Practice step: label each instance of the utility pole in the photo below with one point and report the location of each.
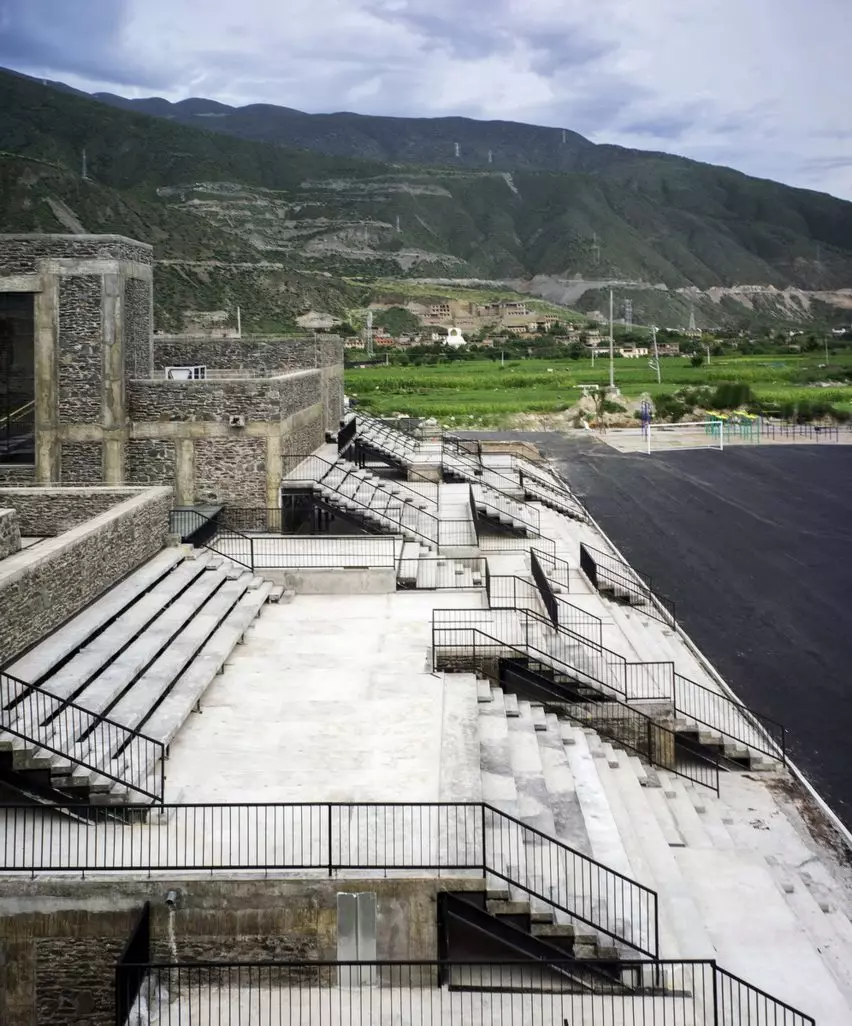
(655, 362)
(826, 350)
(85, 173)
(707, 347)
(239, 324)
(611, 348)
(369, 333)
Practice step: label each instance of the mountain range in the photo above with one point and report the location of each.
(295, 211)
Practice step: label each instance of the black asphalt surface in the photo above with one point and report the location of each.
(754, 545)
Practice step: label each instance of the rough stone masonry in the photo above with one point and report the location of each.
(104, 412)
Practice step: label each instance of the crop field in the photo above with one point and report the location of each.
(479, 391)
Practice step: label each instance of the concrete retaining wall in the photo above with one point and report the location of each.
(60, 940)
(329, 581)
(42, 587)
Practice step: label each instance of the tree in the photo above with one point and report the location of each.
(696, 360)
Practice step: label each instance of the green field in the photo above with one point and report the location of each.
(479, 391)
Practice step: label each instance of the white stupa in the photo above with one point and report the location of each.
(455, 338)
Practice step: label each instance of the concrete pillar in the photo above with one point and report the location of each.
(184, 471)
(114, 404)
(46, 327)
(273, 466)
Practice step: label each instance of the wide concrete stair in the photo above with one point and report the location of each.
(556, 499)
(533, 651)
(722, 866)
(113, 686)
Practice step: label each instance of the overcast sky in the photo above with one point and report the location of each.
(760, 85)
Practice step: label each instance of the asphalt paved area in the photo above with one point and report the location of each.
(755, 547)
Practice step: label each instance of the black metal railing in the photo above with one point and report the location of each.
(594, 665)
(559, 499)
(17, 434)
(213, 533)
(608, 573)
(48, 723)
(386, 509)
(557, 570)
(332, 837)
(346, 434)
(731, 719)
(498, 504)
(545, 588)
(551, 992)
(133, 968)
(474, 647)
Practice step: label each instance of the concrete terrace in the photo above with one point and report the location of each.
(334, 698)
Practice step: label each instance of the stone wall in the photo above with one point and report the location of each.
(48, 512)
(10, 533)
(80, 356)
(180, 434)
(81, 463)
(14, 473)
(260, 355)
(261, 399)
(42, 587)
(61, 939)
(231, 470)
(22, 254)
(150, 461)
(138, 352)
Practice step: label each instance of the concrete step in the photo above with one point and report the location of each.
(651, 850)
(86, 664)
(134, 708)
(533, 804)
(40, 662)
(164, 722)
(564, 804)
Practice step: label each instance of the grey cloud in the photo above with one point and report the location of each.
(80, 37)
(566, 49)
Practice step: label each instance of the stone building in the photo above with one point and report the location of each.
(89, 402)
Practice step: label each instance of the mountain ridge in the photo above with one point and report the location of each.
(199, 191)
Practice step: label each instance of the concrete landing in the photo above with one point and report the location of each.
(331, 698)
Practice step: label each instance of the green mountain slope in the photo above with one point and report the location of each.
(207, 196)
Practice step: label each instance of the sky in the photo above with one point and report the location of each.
(759, 85)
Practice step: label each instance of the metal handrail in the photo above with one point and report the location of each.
(35, 707)
(438, 991)
(545, 588)
(629, 579)
(335, 836)
(641, 733)
(441, 527)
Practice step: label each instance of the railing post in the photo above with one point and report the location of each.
(251, 550)
(330, 858)
(484, 853)
(715, 992)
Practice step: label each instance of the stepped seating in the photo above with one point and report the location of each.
(556, 499)
(505, 512)
(386, 506)
(135, 663)
(701, 853)
(420, 568)
(534, 656)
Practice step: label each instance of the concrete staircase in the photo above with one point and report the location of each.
(378, 504)
(115, 684)
(710, 859)
(420, 568)
(583, 672)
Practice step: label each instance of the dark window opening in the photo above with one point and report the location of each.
(17, 378)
